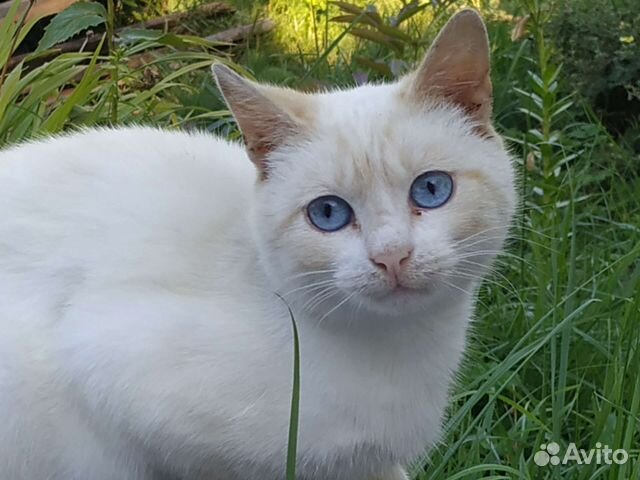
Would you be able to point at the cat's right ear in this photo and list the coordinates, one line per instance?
(264, 125)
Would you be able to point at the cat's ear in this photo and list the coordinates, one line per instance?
(264, 123)
(456, 67)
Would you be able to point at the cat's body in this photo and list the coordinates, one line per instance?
(142, 278)
(115, 353)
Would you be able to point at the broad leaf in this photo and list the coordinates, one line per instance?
(71, 21)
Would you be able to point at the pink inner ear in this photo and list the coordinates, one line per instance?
(474, 96)
(258, 154)
(456, 67)
(263, 133)
(264, 125)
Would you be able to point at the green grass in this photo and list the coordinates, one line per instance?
(86, 89)
(554, 353)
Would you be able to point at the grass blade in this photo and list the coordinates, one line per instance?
(292, 446)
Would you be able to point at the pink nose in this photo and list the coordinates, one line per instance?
(391, 260)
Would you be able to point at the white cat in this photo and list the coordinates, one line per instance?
(141, 334)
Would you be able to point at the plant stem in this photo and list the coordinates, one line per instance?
(111, 28)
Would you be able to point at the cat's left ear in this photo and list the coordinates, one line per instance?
(456, 68)
(266, 115)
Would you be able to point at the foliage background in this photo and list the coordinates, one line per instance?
(554, 352)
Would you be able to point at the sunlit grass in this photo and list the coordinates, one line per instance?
(308, 28)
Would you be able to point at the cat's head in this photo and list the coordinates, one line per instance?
(382, 197)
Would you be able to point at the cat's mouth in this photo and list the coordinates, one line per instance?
(403, 290)
(399, 289)
(400, 299)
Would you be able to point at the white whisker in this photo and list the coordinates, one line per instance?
(345, 300)
(310, 286)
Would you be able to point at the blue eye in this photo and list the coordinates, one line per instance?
(329, 213)
(432, 189)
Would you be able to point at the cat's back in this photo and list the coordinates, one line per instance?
(120, 166)
(100, 202)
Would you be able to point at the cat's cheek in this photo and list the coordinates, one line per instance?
(479, 206)
(300, 247)
(354, 270)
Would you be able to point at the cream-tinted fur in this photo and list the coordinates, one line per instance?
(142, 337)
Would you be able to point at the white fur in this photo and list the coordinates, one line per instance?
(141, 335)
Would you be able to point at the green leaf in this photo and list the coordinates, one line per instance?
(12, 31)
(348, 7)
(376, 66)
(367, 14)
(409, 10)
(395, 32)
(71, 21)
(79, 96)
(352, 17)
(131, 36)
(141, 39)
(378, 37)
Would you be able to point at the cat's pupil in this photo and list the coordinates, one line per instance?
(431, 187)
(327, 210)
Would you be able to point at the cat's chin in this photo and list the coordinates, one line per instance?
(399, 301)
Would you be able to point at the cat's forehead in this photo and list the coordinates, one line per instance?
(368, 107)
(371, 136)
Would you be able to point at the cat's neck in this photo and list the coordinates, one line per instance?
(370, 325)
